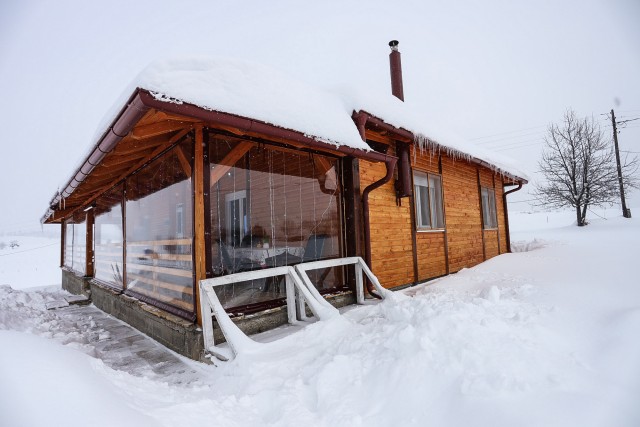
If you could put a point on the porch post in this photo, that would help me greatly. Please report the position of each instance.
(89, 260)
(63, 241)
(200, 269)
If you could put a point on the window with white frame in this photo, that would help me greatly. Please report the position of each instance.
(428, 200)
(180, 220)
(489, 218)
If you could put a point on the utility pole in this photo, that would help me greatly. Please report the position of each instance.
(625, 212)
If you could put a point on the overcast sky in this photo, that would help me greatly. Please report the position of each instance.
(495, 72)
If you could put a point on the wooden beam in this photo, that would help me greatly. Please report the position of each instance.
(229, 160)
(158, 128)
(89, 256)
(136, 146)
(186, 165)
(97, 193)
(199, 215)
(63, 238)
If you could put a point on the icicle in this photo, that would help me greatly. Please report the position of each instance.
(432, 147)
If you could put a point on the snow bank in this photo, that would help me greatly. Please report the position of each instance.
(47, 384)
(544, 337)
(32, 264)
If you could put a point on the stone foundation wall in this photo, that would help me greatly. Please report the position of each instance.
(75, 284)
(180, 335)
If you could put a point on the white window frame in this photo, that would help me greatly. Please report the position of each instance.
(489, 211)
(434, 205)
(180, 220)
(228, 198)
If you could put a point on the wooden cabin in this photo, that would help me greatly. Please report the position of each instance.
(178, 189)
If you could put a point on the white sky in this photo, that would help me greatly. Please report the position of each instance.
(501, 70)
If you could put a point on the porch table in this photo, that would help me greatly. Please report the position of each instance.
(259, 255)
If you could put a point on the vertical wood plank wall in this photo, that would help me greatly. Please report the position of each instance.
(391, 242)
(391, 225)
(430, 244)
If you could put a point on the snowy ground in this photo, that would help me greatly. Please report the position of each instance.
(543, 337)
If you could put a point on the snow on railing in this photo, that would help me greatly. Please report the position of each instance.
(360, 266)
(299, 292)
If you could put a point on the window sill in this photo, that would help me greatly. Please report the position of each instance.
(428, 230)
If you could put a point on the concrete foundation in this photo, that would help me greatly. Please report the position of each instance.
(74, 284)
(180, 335)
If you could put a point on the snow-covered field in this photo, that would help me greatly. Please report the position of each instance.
(547, 336)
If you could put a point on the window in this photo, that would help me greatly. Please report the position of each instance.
(428, 199)
(180, 220)
(489, 208)
(158, 263)
(271, 207)
(237, 220)
(108, 240)
(75, 242)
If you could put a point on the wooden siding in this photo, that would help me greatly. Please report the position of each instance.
(464, 243)
(463, 219)
(391, 241)
(431, 255)
(430, 245)
(491, 243)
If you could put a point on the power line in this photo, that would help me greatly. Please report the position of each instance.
(517, 143)
(505, 133)
(524, 135)
(523, 201)
(515, 148)
(29, 250)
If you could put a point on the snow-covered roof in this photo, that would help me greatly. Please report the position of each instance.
(256, 91)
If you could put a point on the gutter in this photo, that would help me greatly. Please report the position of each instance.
(128, 117)
(506, 213)
(141, 101)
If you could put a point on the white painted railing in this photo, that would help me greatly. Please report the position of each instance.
(300, 292)
(296, 291)
(360, 267)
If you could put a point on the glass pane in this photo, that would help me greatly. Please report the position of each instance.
(108, 237)
(68, 243)
(485, 208)
(425, 217)
(159, 257)
(271, 207)
(492, 209)
(79, 242)
(435, 193)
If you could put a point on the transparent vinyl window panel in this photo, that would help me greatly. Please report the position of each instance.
(271, 207)
(108, 238)
(159, 230)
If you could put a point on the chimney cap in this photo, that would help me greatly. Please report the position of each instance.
(393, 44)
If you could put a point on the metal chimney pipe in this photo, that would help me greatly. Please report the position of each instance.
(396, 71)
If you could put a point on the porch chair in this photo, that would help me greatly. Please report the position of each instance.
(234, 265)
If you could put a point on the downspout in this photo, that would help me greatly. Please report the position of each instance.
(506, 214)
(390, 164)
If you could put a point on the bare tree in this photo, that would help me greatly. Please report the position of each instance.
(579, 167)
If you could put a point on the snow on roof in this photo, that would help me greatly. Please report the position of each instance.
(427, 134)
(256, 91)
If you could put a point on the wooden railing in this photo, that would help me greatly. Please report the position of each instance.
(158, 269)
